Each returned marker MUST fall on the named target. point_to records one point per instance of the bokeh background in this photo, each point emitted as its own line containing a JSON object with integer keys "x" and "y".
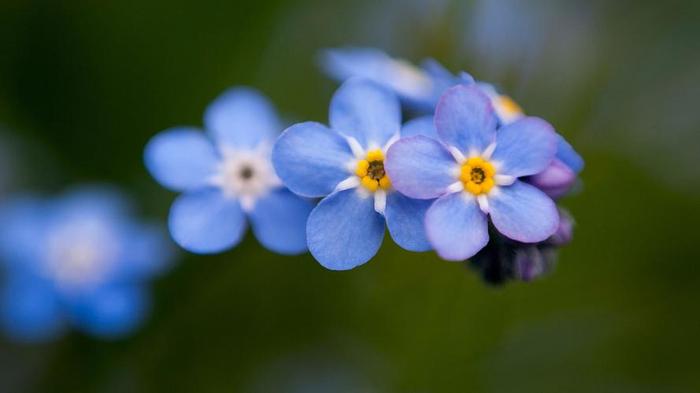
{"x": 84, "y": 84}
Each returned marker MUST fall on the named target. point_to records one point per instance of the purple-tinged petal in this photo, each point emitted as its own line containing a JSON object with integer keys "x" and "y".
{"x": 523, "y": 213}
{"x": 279, "y": 221}
{"x": 405, "y": 218}
{"x": 464, "y": 119}
{"x": 529, "y": 263}
{"x": 344, "y": 231}
{"x": 420, "y": 126}
{"x": 556, "y": 180}
{"x": 569, "y": 156}
{"x": 420, "y": 167}
{"x": 565, "y": 230}
{"x": 242, "y": 118}
{"x": 456, "y": 227}
{"x": 205, "y": 221}
{"x": 181, "y": 158}
{"x": 311, "y": 159}
{"x": 525, "y": 147}
{"x": 366, "y": 111}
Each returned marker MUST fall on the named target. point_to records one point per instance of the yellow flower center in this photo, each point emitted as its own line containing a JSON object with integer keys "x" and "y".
{"x": 477, "y": 175}
{"x": 509, "y": 106}
{"x": 371, "y": 171}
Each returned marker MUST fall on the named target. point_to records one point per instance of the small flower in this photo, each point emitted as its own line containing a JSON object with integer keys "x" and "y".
{"x": 474, "y": 174}
{"x": 78, "y": 259}
{"x": 344, "y": 164}
{"x": 226, "y": 175}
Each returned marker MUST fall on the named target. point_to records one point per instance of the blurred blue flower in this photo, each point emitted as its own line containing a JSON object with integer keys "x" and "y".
{"x": 225, "y": 175}
{"x": 344, "y": 164}
{"x": 79, "y": 259}
{"x": 473, "y": 171}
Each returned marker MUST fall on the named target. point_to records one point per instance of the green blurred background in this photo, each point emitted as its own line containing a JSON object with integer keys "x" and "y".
{"x": 84, "y": 84}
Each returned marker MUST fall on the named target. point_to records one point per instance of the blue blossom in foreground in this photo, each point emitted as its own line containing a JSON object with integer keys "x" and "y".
{"x": 226, "y": 175}
{"x": 80, "y": 260}
{"x": 474, "y": 172}
{"x": 344, "y": 165}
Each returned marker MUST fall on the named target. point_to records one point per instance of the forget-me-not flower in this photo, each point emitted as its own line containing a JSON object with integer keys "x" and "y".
{"x": 344, "y": 165}
{"x": 226, "y": 175}
{"x": 79, "y": 259}
{"x": 473, "y": 171}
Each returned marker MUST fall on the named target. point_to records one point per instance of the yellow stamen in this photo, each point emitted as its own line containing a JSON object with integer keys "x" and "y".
{"x": 362, "y": 166}
{"x": 371, "y": 171}
{"x": 477, "y": 175}
{"x": 370, "y": 183}
{"x": 385, "y": 183}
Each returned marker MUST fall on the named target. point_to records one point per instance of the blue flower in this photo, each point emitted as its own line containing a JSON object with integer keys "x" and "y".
{"x": 226, "y": 175}
{"x": 473, "y": 171}
{"x": 344, "y": 164}
{"x": 79, "y": 259}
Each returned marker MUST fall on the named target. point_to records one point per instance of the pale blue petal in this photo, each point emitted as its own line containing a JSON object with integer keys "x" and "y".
{"x": 523, "y": 213}
{"x": 464, "y": 119}
{"x": 242, "y": 118}
{"x": 149, "y": 251}
{"x": 279, "y": 222}
{"x": 420, "y": 126}
{"x": 420, "y": 167}
{"x": 180, "y": 158}
{"x": 569, "y": 156}
{"x": 311, "y": 159}
{"x": 206, "y": 222}
{"x": 405, "y": 218}
{"x": 344, "y": 231}
{"x": 525, "y": 147}
{"x": 110, "y": 312}
{"x": 30, "y": 309}
{"x": 366, "y": 111}
{"x": 456, "y": 227}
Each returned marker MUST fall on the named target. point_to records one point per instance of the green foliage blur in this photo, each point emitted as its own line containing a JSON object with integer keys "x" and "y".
{"x": 85, "y": 84}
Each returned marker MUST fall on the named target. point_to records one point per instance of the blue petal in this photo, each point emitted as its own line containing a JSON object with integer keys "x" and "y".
{"x": 569, "y": 156}
{"x": 420, "y": 167}
{"x": 405, "y": 218}
{"x": 365, "y": 111}
{"x": 242, "y": 118}
{"x": 110, "y": 312}
{"x": 311, "y": 159}
{"x": 30, "y": 309}
{"x": 456, "y": 227}
{"x": 556, "y": 180}
{"x": 523, "y": 213}
{"x": 206, "y": 222}
{"x": 96, "y": 200}
{"x": 23, "y": 225}
{"x": 525, "y": 147}
{"x": 420, "y": 126}
{"x": 180, "y": 158}
{"x": 464, "y": 119}
{"x": 149, "y": 252}
{"x": 279, "y": 221}
{"x": 344, "y": 231}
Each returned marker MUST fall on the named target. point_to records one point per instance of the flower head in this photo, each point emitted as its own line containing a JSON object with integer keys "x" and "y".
{"x": 345, "y": 165}
{"x": 78, "y": 259}
{"x": 227, "y": 178}
{"x": 473, "y": 171}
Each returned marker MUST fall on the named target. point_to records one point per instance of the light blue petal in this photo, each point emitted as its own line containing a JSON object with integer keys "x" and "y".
{"x": 523, "y": 213}
{"x": 464, "y": 119}
{"x": 206, "y": 222}
{"x": 23, "y": 221}
{"x": 525, "y": 147}
{"x": 420, "y": 126}
{"x": 420, "y": 167}
{"x": 569, "y": 156}
{"x": 344, "y": 231}
{"x": 279, "y": 222}
{"x": 442, "y": 79}
{"x": 456, "y": 227}
{"x": 180, "y": 158}
{"x": 30, "y": 309}
{"x": 242, "y": 118}
{"x": 149, "y": 252}
{"x": 311, "y": 159}
{"x": 95, "y": 200}
{"x": 110, "y": 312}
{"x": 365, "y": 111}
{"x": 405, "y": 218}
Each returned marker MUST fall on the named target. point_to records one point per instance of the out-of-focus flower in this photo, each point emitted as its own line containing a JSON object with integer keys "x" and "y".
{"x": 345, "y": 166}
{"x": 79, "y": 259}
{"x": 473, "y": 171}
{"x": 226, "y": 175}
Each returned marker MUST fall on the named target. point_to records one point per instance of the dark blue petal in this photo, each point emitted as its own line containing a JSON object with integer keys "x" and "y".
{"x": 456, "y": 227}
{"x": 405, "y": 218}
{"x": 279, "y": 221}
{"x": 344, "y": 231}
{"x": 111, "y": 311}
{"x": 464, "y": 119}
{"x": 523, "y": 213}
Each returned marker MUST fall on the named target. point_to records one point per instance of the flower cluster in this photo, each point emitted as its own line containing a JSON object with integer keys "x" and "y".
{"x": 79, "y": 259}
